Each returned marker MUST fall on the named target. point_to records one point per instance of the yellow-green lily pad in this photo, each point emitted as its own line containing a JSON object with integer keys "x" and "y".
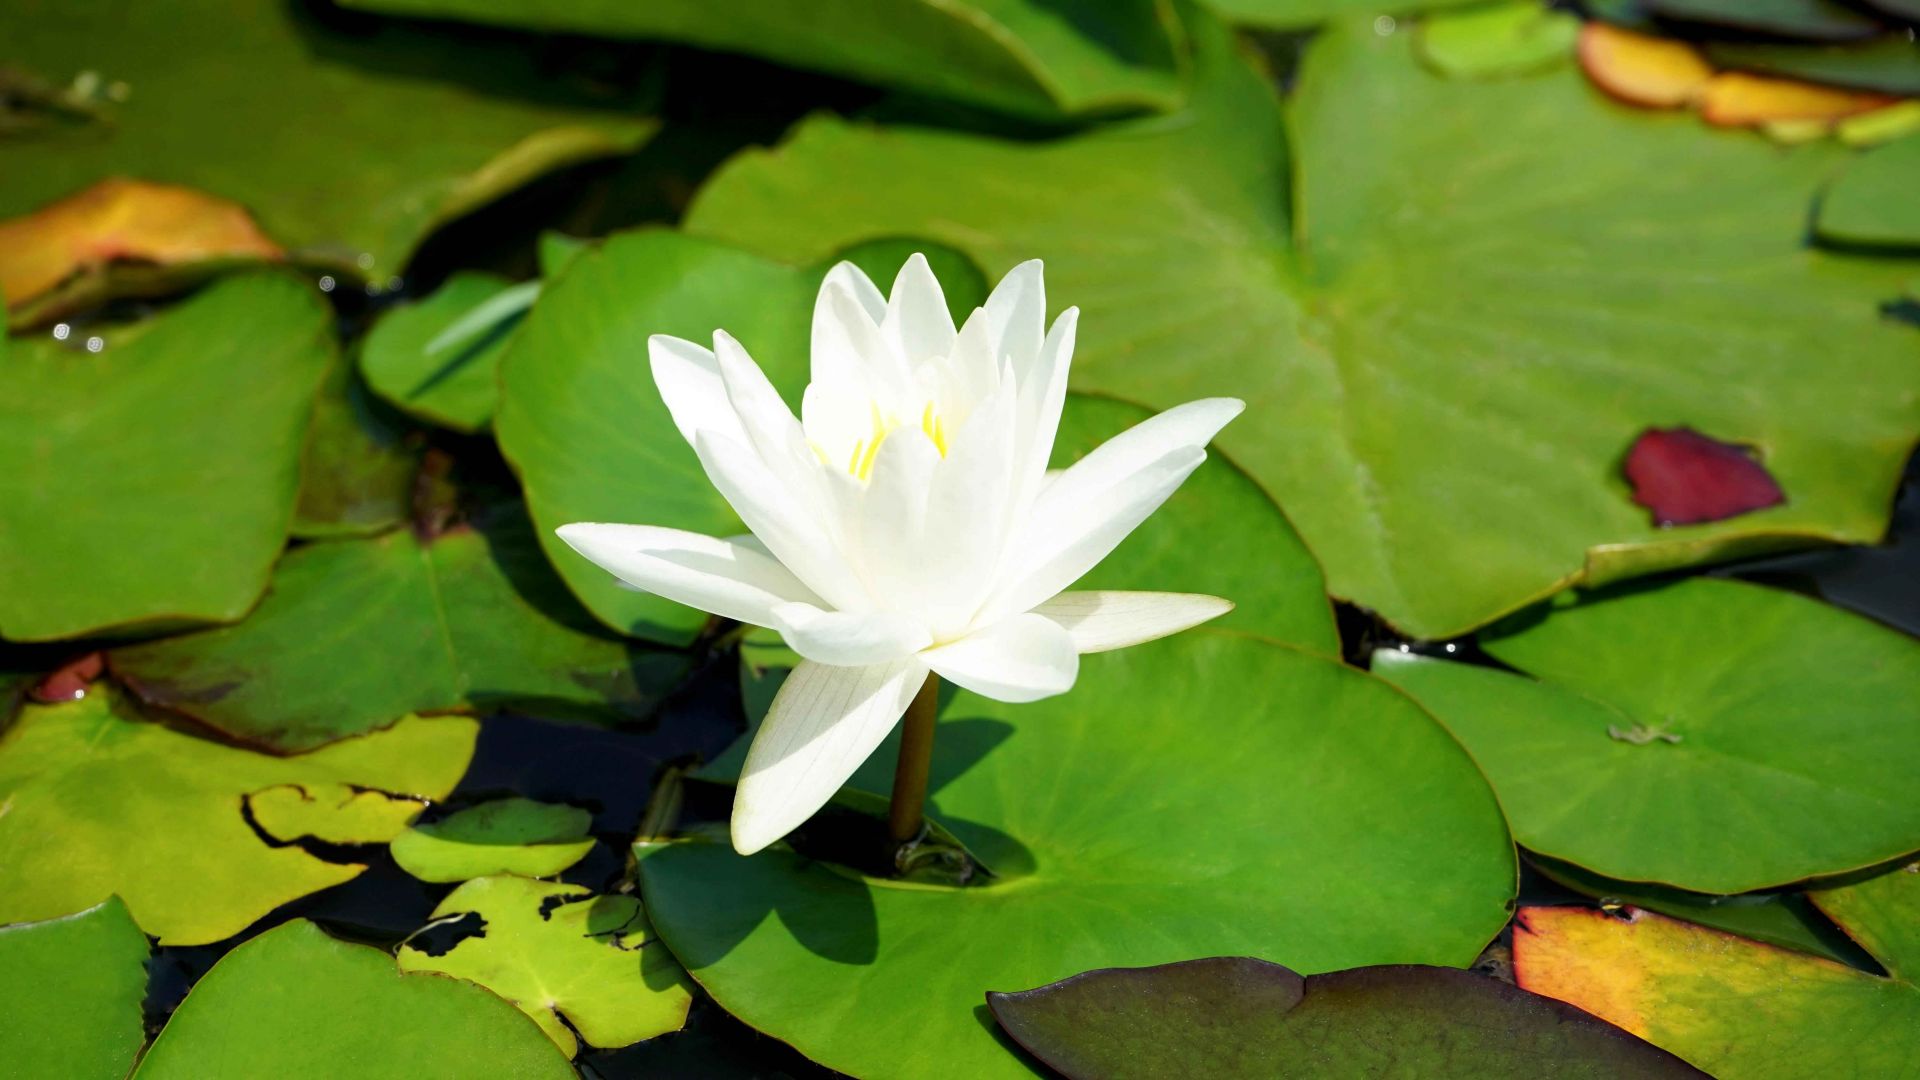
{"x": 505, "y": 836}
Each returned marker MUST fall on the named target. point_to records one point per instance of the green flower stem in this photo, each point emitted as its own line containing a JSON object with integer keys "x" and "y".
{"x": 906, "y": 817}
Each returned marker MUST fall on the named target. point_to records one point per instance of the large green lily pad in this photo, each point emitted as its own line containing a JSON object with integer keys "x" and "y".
{"x": 1043, "y": 58}
{"x": 1739, "y": 1009}
{"x": 357, "y": 633}
{"x": 1237, "y": 1018}
{"x": 505, "y": 836}
{"x": 1710, "y": 734}
{"x": 558, "y": 950}
{"x": 1209, "y": 794}
{"x": 373, "y": 132}
{"x": 70, "y": 1004}
{"x": 294, "y": 1002}
{"x": 151, "y": 484}
{"x": 103, "y": 801}
{"x": 356, "y": 477}
{"x": 1873, "y": 202}
{"x": 1483, "y": 293}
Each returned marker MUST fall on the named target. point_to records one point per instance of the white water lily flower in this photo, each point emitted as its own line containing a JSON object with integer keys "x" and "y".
{"x": 906, "y": 523}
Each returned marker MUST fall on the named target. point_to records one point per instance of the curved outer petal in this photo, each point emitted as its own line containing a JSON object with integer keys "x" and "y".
{"x": 1016, "y": 314}
{"x": 834, "y": 361}
{"x": 823, "y": 723}
{"x": 736, "y": 579}
{"x": 1083, "y": 514}
{"x": 1100, "y": 620}
{"x": 688, "y": 378}
{"x": 918, "y": 324}
{"x": 770, "y": 427}
{"x": 1023, "y": 658}
{"x": 846, "y": 639}
{"x": 789, "y": 528}
{"x": 1043, "y": 394}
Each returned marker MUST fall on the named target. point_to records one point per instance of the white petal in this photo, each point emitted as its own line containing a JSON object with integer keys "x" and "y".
{"x": 791, "y": 529}
{"x": 1017, "y": 314}
{"x": 688, "y": 377}
{"x": 732, "y": 578}
{"x": 875, "y": 363}
{"x": 1100, "y": 620}
{"x": 892, "y": 549}
{"x": 770, "y": 426}
{"x": 918, "y": 322}
{"x": 1043, "y": 394}
{"x": 846, "y": 639}
{"x": 860, "y": 287}
{"x": 968, "y": 514}
{"x": 823, "y": 723}
{"x": 1023, "y": 658}
{"x": 834, "y": 357}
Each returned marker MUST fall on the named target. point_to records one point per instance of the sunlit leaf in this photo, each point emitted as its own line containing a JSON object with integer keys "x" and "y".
{"x": 454, "y": 385}
{"x": 505, "y": 836}
{"x": 1511, "y": 38}
{"x": 559, "y": 950}
{"x": 70, "y": 1002}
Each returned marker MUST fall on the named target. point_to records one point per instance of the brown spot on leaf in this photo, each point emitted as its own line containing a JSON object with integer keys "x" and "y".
{"x": 1687, "y": 478}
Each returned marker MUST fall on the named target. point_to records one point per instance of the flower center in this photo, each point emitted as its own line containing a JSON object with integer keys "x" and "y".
{"x": 866, "y": 451}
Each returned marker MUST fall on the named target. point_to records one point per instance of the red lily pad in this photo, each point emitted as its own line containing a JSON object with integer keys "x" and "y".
{"x": 69, "y": 681}
{"x": 1233, "y": 1017}
{"x": 1687, "y": 478}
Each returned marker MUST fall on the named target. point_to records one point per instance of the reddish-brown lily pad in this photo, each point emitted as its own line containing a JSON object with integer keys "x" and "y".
{"x": 1640, "y": 69}
{"x": 1687, "y": 478}
{"x": 1237, "y": 1017}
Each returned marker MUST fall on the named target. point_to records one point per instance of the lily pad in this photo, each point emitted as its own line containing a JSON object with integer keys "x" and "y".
{"x": 452, "y": 123}
{"x": 1238, "y": 1017}
{"x": 1512, "y": 38}
{"x": 331, "y": 812}
{"x": 1039, "y": 58}
{"x": 124, "y": 471}
{"x": 506, "y": 836}
{"x": 103, "y": 801}
{"x": 559, "y": 950}
{"x": 1323, "y": 821}
{"x": 1873, "y": 202}
{"x": 1737, "y": 1008}
{"x": 1889, "y": 65}
{"x": 70, "y": 1004}
{"x": 1485, "y": 291}
{"x": 1814, "y": 20}
{"x": 456, "y": 386}
{"x": 294, "y": 1002}
{"x": 1300, "y": 14}
{"x": 356, "y": 476}
{"x": 1709, "y": 734}
{"x": 358, "y": 632}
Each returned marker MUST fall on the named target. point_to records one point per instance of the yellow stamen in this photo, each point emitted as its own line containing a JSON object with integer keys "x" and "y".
{"x": 867, "y": 451}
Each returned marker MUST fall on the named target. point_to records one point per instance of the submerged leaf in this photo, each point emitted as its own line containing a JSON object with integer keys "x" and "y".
{"x": 1237, "y": 1018}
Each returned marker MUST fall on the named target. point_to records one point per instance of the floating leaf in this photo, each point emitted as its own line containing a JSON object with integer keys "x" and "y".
{"x": 70, "y": 1004}
{"x": 356, "y": 476}
{"x": 102, "y": 801}
{"x": 1687, "y": 478}
{"x": 1815, "y": 20}
{"x": 1880, "y": 125}
{"x": 1737, "y": 99}
{"x": 1874, "y": 201}
{"x": 149, "y": 484}
{"x": 455, "y": 386}
{"x": 294, "y": 1002}
{"x": 1237, "y": 1017}
{"x": 505, "y": 836}
{"x": 1300, "y": 14}
{"x": 1507, "y": 280}
{"x": 358, "y": 632}
{"x": 1887, "y": 65}
{"x": 1339, "y": 828}
{"x": 1031, "y": 57}
{"x": 1739, "y": 1009}
{"x": 1641, "y": 69}
{"x": 331, "y": 812}
{"x": 118, "y": 219}
{"x": 559, "y": 950}
{"x": 1511, "y": 38}
{"x": 281, "y": 108}
{"x": 1709, "y": 734}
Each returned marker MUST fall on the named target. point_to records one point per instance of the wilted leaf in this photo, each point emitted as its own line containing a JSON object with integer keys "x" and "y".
{"x": 1876, "y": 201}
{"x": 1687, "y": 478}
{"x": 356, "y": 633}
{"x": 150, "y": 484}
{"x": 506, "y": 836}
{"x": 1708, "y": 734}
{"x": 559, "y": 950}
{"x": 1641, "y": 69}
{"x": 1230, "y": 1018}
{"x": 102, "y": 801}
{"x": 1737, "y": 99}
{"x": 70, "y": 1001}
{"x": 1343, "y": 828}
{"x": 294, "y": 1002}
{"x": 1488, "y": 288}
{"x": 1737, "y": 1008}
{"x": 123, "y": 220}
